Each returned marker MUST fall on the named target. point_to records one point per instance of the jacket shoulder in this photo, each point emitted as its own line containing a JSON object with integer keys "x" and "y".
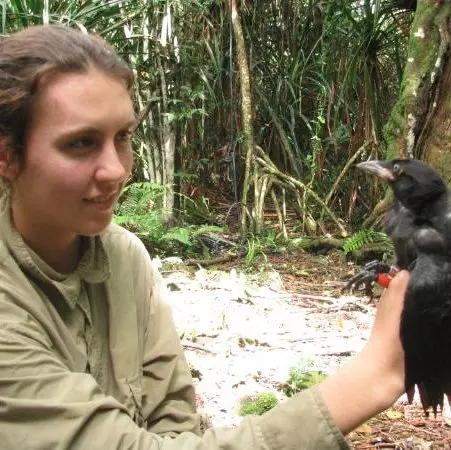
{"x": 121, "y": 243}
{"x": 133, "y": 274}
{"x": 4, "y": 253}
{"x": 130, "y": 260}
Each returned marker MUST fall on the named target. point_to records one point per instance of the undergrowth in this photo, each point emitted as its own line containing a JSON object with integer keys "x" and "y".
{"x": 140, "y": 211}
{"x": 258, "y": 404}
{"x": 301, "y": 377}
{"x": 363, "y": 237}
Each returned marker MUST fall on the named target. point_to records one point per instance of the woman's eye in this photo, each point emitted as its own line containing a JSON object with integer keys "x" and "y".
{"x": 124, "y": 136}
{"x": 124, "y": 140}
{"x": 82, "y": 143}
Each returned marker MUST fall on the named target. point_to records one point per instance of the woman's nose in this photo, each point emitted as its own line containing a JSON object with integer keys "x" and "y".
{"x": 113, "y": 166}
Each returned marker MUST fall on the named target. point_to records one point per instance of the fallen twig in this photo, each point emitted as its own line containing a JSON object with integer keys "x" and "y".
{"x": 321, "y": 298}
{"x": 218, "y": 260}
{"x": 342, "y": 353}
{"x": 187, "y": 344}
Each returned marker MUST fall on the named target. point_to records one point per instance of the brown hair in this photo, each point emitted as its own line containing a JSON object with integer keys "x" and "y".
{"x": 29, "y": 55}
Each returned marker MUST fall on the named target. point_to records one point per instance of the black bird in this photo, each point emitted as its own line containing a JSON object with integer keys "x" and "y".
{"x": 419, "y": 224}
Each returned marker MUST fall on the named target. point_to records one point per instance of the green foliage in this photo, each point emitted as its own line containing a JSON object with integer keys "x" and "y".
{"x": 363, "y": 237}
{"x": 325, "y": 77}
{"x": 258, "y": 404}
{"x": 254, "y": 249}
{"x": 181, "y": 235}
{"x": 258, "y": 246}
{"x": 139, "y": 199}
{"x": 302, "y": 377}
{"x": 273, "y": 240}
{"x": 140, "y": 211}
{"x": 197, "y": 210}
{"x": 207, "y": 229}
{"x": 189, "y": 335}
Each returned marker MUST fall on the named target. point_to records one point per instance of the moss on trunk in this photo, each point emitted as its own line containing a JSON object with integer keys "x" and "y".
{"x": 413, "y": 127}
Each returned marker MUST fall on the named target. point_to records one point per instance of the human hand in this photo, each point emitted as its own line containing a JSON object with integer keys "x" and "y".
{"x": 374, "y": 379}
{"x": 384, "y": 349}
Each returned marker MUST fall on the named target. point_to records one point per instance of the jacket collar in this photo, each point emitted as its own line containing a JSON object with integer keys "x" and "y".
{"x": 93, "y": 267}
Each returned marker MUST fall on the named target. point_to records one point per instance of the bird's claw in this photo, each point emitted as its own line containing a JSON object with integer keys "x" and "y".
{"x": 364, "y": 280}
{"x": 377, "y": 266}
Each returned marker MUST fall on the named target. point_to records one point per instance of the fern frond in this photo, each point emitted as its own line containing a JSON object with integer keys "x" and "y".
{"x": 363, "y": 237}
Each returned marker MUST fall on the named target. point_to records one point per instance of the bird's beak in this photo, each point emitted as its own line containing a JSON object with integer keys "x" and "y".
{"x": 381, "y": 169}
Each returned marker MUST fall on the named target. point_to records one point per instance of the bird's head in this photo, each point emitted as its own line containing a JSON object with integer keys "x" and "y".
{"x": 413, "y": 181}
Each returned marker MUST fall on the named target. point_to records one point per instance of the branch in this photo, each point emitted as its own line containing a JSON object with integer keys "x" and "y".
{"x": 345, "y": 169}
{"x": 271, "y": 168}
{"x": 218, "y": 260}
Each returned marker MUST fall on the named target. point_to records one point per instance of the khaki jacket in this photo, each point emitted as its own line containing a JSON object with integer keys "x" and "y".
{"x": 92, "y": 360}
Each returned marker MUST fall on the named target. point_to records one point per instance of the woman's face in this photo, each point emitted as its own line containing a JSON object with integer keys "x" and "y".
{"x": 77, "y": 156}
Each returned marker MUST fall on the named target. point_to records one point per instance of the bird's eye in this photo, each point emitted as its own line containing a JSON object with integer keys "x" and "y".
{"x": 397, "y": 170}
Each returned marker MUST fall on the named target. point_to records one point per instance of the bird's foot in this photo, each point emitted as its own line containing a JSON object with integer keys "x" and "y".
{"x": 374, "y": 271}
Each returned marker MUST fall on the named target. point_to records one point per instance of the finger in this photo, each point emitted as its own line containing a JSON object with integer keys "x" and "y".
{"x": 391, "y": 303}
{"x": 400, "y": 280}
{"x": 396, "y": 290}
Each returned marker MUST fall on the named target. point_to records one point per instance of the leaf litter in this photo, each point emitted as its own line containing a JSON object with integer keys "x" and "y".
{"x": 243, "y": 330}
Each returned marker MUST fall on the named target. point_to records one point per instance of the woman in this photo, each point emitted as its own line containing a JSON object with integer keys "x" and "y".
{"x": 89, "y": 355}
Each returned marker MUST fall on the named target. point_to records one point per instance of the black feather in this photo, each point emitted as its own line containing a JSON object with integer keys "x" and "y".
{"x": 419, "y": 224}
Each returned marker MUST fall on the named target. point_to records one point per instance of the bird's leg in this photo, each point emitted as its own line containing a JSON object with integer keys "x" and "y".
{"x": 374, "y": 271}
{"x": 412, "y": 265}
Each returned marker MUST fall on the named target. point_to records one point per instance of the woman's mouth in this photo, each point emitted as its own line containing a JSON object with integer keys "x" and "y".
{"x": 102, "y": 202}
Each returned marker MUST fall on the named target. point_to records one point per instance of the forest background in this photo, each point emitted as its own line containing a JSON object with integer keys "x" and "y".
{"x": 252, "y": 114}
{"x": 252, "y": 117}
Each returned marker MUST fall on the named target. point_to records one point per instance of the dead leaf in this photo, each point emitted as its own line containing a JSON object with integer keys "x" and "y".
{"x": 394, "y": 414}
{"x": 364, "y": 429}
{"x": 420, "y": 423}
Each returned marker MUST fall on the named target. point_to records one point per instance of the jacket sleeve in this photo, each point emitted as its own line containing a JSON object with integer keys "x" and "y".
{"x": 44, "y": 405}
{"x": 168, "y": 400}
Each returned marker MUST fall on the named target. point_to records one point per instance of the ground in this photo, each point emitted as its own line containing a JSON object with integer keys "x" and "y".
{"x": 244, "y": 328}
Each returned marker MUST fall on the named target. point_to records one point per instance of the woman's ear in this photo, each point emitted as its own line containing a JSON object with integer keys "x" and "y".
{"x": 9, "y": 167}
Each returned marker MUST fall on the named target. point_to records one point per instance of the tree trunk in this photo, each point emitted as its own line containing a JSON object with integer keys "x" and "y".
{"x": 420, "y": 122}
{"x": 167, "y": 129}
{"x": 167, "y": 151}
{"x": 246, "y": 109}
